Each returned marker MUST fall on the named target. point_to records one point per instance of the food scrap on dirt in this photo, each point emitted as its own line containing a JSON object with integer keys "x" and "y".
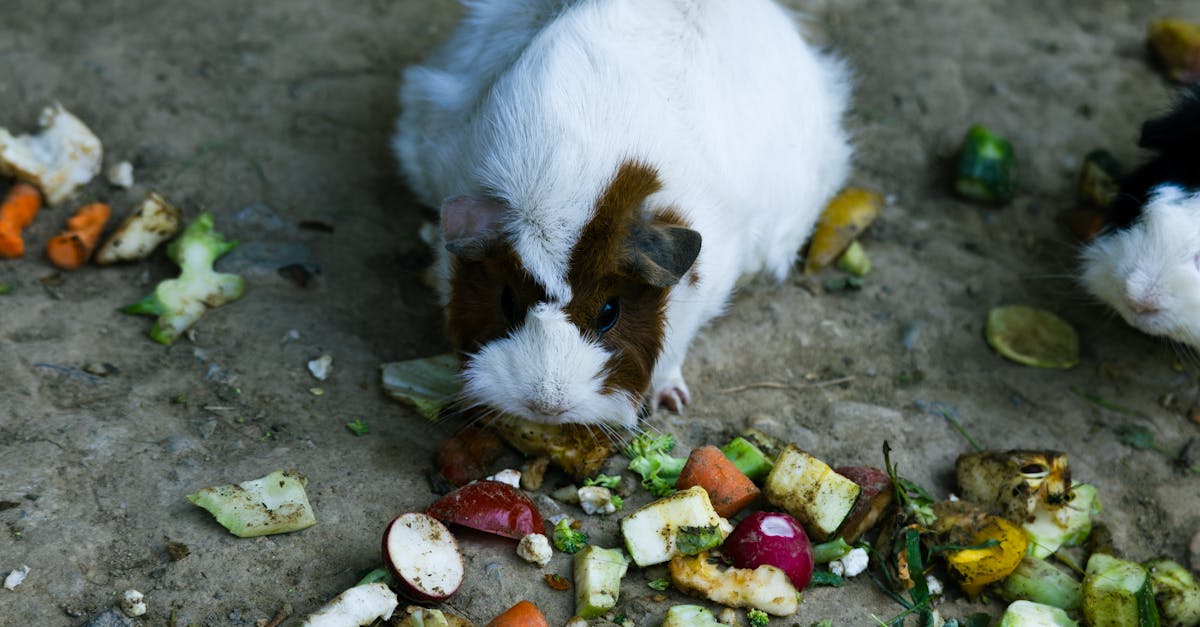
{"x": 120, "y": 174}
{"x": 427, "y": 383}
{"x": 73, "y": 247}
{"x": 986, "y": 170}
{"x": 20, "y": 206}
{"x": 15, "y": 577}
{"x": 1033, "y": 337}
{"x": 273, "y": 504}
{"x": 842, "y": 220}
{"x": 360, "y": 605}
{"x": 153, "y": 222}
{"x": 423, "y": 558}
{"x": 179, "y": 303}
{"x": 598, "y": 574}
{"x": 1175, "y": 44}
{"x": 62, "y": 157}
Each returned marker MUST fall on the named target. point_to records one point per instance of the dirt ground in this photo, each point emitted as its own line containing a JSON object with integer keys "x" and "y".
{"x": 276, "y": 112}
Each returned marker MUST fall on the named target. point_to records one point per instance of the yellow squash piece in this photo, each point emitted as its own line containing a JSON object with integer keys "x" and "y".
{"x": 975, "y": 568}
{"x": 843, "y": 220}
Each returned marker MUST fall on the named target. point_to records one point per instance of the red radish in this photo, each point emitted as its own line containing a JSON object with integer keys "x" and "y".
{"x": 872, "y": 503}
{"x": 775, "y": 539}
{"x": 490, "y": 506}
{"x": 423, "y": 557}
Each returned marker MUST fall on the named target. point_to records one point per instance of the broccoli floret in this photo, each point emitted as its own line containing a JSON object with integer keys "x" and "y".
{"x": 757, "y": 618}
{"x": 649, "y": 459}
{"x": 604, "y": 481}
{"x": 658, "y": 471}
{"x": 566, "y": 539}
{"x": 617, "y": 502}
{"x": 645, "y": 444}
{"x": 180, "y": 302}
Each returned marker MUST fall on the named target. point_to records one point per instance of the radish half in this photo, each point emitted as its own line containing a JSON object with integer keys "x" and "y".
{"x": 423, "y": 557}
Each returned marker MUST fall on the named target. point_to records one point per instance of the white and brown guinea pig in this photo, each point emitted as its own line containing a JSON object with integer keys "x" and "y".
{"x": 1146, "y": 266}
{"x": 606, "y": 170}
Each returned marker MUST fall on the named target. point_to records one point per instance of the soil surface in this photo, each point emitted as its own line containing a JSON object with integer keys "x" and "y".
{"x": 275, "y": 115}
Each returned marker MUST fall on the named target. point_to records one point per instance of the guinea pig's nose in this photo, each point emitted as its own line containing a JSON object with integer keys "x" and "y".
{"x": 1144, "y": 306}
{"x": 545, "y": 407}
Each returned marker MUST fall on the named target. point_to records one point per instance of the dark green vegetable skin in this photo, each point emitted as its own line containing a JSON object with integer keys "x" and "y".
{"x": 987, "y": 168}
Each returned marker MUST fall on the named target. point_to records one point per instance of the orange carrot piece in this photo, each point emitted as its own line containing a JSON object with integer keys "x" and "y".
{"x": 523, "y": 614}
{"x": 17, "y": 212}
{"x": 71, "y": 248}
{"x": 728, "y": 488}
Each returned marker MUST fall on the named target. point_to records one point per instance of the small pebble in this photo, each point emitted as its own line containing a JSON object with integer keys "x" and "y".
{"x": 15, "y": 578}
{"x": 321, "y": 367}
{"x": 120, "y": 174}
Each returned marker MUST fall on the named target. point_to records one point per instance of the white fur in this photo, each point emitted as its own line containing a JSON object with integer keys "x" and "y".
{"x": 1149, "y": 272}
{"x": 537, "y": 102}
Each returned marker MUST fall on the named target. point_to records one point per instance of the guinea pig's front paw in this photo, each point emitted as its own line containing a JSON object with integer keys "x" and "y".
{"x": 672, "y": 395}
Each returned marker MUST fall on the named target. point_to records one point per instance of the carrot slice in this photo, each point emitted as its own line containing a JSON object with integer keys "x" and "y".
{"x": 71, "y": 248}
{"x": 523, "y": 614}
{"x": 728, "y": 488}
{"x": 17, "y": 212}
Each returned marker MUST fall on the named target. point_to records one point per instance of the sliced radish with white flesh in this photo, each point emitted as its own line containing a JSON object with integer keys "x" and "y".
{"x": 423, "y": 557}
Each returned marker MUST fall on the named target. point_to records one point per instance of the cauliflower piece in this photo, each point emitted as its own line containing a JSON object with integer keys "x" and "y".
{"x": 133, "y": 603}
{"x": 535, "y": 548}
{"x": 596, "y": 499}
{"x": 63, "y": 157}
{"x": 851, "y": 564}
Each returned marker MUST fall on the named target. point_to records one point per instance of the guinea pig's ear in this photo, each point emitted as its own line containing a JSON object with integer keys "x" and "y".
{"x": 470, "y": 225}
{"x": 662, "y": 254}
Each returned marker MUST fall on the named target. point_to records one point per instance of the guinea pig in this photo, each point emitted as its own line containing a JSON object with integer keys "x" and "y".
{"x": 605, "y": 171}
{"x": 1146, "y": 265}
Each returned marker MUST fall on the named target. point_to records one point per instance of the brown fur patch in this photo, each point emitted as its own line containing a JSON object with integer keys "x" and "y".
{"x": 602, "y": 267}
{"x": 475, "y": 314}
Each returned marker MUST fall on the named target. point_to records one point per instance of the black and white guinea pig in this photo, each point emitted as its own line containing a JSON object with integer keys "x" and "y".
{"x": 1146, "y": 266}
{"x": 606, "y": 170}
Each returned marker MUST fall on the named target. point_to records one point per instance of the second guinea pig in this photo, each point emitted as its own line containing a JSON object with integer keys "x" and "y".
{"x": 1146, "y": 266}
{"x": 605, "y": 171}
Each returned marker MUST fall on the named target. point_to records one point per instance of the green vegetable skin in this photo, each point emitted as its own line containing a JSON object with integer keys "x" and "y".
{"x": 693, "y": 540}
{"x": 1117, "y": 593}
{"x": 275, "y": 503}
{"x": 748, "y": 458}
{"x": 1176, "y": 591}
{"x": 690, "y": 616}
{"x": 1029, "y": 614}
{"x": 180, "y": 302}
{"x": 1069, "y": 525}
{"x": 1039, "y": 581}
{"x": 987, "y": 168}
{"x": 598, "y": 574}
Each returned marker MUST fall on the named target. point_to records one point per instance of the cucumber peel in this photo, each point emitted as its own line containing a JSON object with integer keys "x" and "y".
{"x": 1033, "y": 337}
{"x": 598, "y": 574}
{"x": 273, "y": 504}
{"x": 987, "y": 168}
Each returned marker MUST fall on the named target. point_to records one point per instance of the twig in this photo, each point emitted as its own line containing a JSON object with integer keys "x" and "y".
{"x": 280, "y": 616}
{"x": 774, "y": 385}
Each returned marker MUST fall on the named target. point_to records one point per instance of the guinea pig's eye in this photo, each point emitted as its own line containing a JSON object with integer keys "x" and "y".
{"x": 609, "y": 312}
{"x": 508, "y": 305}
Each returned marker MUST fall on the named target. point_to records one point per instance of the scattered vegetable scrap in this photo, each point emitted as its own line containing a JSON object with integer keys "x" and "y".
{"x": 179, "y": 303}
{"x": 1176, "y": 45}
{"x": 427, "y": 383}
{"x": 360, "y": 605}
{"x": 64, "y": 156}
{"x": 1033, "y": 337}
{"x": 423, "y": 558}
{"x": 810, "y": 490}
{"x": 1098, "y": 184}
{"x": 492, "y": 507}
{"x": 20, "y": 206}
{"x": 153, "y": 222}
{"x": 273, "y": 504}
{"x": 598, "y": 574}
{"x": 523, "y": 614}
{"x": 843, "y": 220}
{"x": 73, "y": 247}
{"x": 15, "y": 577}
{"x": 986, "y": 170}
{"x": 729, "y": 489}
